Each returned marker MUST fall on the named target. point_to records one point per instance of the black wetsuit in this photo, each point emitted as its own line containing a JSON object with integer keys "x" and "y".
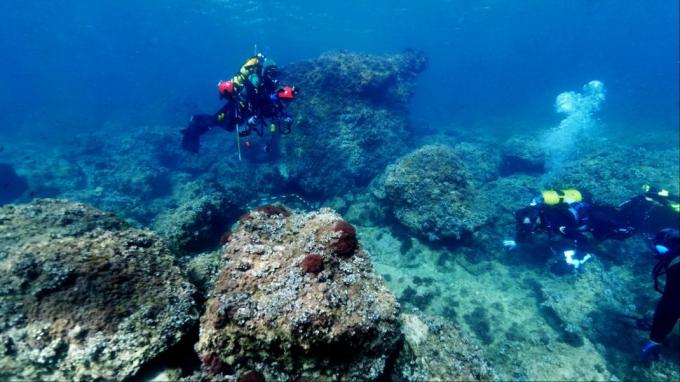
{"x": 667, "y": 310}
{"x": 228, "y": 117}
{"x": 649, "y": 212}
{"x": 237, "y": 111}
{"x": 571, "y": 221}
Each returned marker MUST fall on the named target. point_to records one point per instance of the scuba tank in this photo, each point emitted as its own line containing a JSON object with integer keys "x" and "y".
{"x": 569, "y": 196}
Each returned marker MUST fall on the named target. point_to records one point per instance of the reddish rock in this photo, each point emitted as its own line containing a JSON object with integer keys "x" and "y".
{"x": 312, "y": 264}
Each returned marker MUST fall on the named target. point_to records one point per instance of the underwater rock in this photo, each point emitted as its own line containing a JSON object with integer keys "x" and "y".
{"x": 351, "y": 118}
{"x": 199, "y": 222}
{"x": 482, "y": 159}
{"x": 276, "y": 312}
{"x": 142, "y": 173}
{"x": 48, "y": 172}
{"x": 83, "y": 296}
{"x": 522, "y": 154}
{"x": 12, "y": 185}
{"x": 435, "y": 350}
{"x": 613, "y": 173}
{"x": 430, "y": 192}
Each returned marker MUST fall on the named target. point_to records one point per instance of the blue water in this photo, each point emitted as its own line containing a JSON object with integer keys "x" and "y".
{"x": 73, "y": 65}
{"x": 135, "y": 71}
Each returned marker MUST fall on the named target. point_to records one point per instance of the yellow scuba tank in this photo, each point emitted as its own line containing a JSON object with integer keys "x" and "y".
{"x": 553, "y": 197}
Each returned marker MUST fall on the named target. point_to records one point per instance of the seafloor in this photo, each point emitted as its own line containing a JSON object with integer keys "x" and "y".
{"x": 203, "y": 274}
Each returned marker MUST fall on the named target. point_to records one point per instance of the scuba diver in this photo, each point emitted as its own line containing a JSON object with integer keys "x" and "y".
{"x": 666, "y": 248}
{"x": 652, "y": 211}
{"x": 254, "y": 95}
{"x": 565, "y": 214}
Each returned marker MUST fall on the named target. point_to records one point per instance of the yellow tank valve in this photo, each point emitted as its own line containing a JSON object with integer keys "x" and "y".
{"x": 571, "y": 196}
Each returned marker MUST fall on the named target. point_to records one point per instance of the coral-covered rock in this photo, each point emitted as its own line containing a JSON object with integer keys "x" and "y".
{"x": 435, "y": 350}
{"x": 350, "y": 118}
{"x": 522, "y": 154}
{"x": 267, "y": 314}
{"x": 431, "y": 193}
{"x": 613, "y": 173}
{"x": 83, "y": 296}
{"x": 200, "y": 222}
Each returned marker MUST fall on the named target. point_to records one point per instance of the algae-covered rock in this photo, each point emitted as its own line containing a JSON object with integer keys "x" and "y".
{"x": 522, "y": 154}
{"x": 206, "y": 211}
{"x": 435, "y": 350}
{"x": 430, "y": 192}
{"x": 83, "y": 296}
{"x": 351, "y": 118}
{"x": 613, "y": 173}
{"x": 297, "y": 298}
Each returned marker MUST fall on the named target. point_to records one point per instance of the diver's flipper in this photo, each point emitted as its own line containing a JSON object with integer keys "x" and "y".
{"x": 191, "y": 140}
{"x": 191, "y": 135}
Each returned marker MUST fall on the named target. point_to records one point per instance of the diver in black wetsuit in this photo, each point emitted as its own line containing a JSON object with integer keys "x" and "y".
{"x": 252, "y": 95}
{"x": 666, "y": 247}
{"x": 653, "y": 210}
{"x": 565, "y": 214}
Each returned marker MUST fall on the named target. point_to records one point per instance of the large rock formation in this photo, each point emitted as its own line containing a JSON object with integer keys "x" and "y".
{"x": 83, "y": 296}
{"x": 297, "y": 298}
{"x": 431, "y": 192}
{"x": 613, "y": 173}
{"x": 351, "y": 118}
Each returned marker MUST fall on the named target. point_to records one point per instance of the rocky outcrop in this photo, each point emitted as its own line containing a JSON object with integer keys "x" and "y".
{"x": 435, "y": 350}
{"x": 350, "y": 118}
{"x": 613, "y": 173}
{"x": 523, "y": 154}
{"x": 198, "y": 223}
{"x": 297, "y": 298}
{"x": 83, "y": 296}
{"x": 430, "y": 192}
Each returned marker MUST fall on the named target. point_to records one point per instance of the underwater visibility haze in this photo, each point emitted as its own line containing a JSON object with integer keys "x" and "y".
{"x": 229, "y": 190}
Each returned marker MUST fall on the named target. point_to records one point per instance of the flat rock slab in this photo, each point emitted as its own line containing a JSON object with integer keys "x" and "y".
{"x": 84, "y": 296}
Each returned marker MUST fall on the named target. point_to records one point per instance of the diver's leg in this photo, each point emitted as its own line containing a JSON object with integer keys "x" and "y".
{"x": 198, "y": 125}
{"x": 226, "y": 117}
{"x": 665, "y": 317}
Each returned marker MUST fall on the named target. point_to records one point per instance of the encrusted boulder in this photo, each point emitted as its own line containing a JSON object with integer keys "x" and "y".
{"x": 83, "y": 296}
{"x": 205, "y": 212}
{"x": 351, "y": 118}
{"x": 430, "y": 191}
{"x": 613, "y": 173}
{"x": 297, "y": 298}
{"x": 435, "y": 350}
{"x": 522, "y": 154}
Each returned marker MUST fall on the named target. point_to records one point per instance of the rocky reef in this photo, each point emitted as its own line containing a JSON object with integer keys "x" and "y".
{"x": 431, "y": 192}
{"x": 291, "y": 294}
{"x": 197, "y": 223}
{"x": 435, "y": 350}
{"x": 350, "y": 118}
{"x": 297, "y": 298}
{"x": 83, "y": 296}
